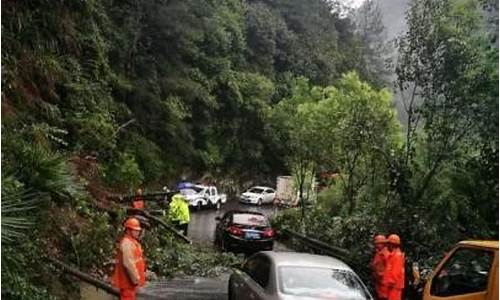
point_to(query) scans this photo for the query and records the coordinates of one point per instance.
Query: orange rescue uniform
(130, 268)
(394, 276)
(138, 202)
(378, 266)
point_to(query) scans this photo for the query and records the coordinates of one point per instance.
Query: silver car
(290, 276)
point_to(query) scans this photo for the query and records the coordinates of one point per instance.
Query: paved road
(202, 226)
(201, 230)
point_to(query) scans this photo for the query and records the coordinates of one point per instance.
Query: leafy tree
(355, 125)
(376, 48)
(345, 128)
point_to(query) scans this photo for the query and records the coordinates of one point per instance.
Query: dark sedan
(244, 231)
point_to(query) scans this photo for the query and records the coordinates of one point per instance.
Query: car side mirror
(217, 219)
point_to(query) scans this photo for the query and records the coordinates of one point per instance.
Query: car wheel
(259, 203)
(217, 205)
(198, 205)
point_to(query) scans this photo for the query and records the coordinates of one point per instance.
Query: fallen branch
(150, 217)
(161, 222)
(84, 276)
(124, 125)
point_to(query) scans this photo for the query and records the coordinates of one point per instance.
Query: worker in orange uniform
(378, 266)
(394, 275)
(130, 267)
(138, 200)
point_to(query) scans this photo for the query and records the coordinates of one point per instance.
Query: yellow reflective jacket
(179, 209)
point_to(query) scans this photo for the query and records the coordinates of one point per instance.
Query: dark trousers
(182, 227)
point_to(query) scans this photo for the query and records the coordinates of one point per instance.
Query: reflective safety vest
(179, 210)
(394, 275)
(121, 276)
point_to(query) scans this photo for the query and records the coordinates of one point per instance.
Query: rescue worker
(130, 267)
(178, 212)
(394, 275)
(378, 266)
(138, 200)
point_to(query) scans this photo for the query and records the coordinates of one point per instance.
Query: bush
(93, 243)
(147, 155)
(95, 131)
(332, 199)
(123, 171)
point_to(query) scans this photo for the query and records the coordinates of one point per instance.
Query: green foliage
(41, 170)
(163, 254)
(148, 156)
(123, 170)
(449, 63)
(375, 47)
(17, 205)
(155, 88)
(92, 245)
(331, 199)
(19, 287)
(94, 131)
(19, 213)
(346, 128)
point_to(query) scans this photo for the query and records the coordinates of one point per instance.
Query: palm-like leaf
(44, 171)
(17, 206)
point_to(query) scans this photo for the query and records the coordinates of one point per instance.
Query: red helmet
(394, 239)
(379, 239)
(132, 223)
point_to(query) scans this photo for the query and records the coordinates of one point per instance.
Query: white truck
(204, 195)
(288, 193)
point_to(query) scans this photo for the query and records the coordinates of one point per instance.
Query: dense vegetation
(242, 91)
(437, 183)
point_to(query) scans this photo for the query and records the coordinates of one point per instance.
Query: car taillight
(268, 233)
(235, 231)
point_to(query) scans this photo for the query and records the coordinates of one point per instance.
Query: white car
(202, 195)
(258, 195)
(270, 275)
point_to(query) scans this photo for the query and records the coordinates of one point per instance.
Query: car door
(212, 195)
(251, 282)
(269, 195)
(465, 274)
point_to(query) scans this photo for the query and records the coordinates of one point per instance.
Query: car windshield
(256, 190)
(321, 282)
(249, 219)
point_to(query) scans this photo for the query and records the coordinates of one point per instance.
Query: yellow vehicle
(468, 272)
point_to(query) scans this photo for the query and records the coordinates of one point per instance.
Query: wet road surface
(202, 226)
(201, 230)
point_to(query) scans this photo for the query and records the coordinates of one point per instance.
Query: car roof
(260, 187)
(305, 260)
(237, 211)
(202, 186)
(483, 244)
